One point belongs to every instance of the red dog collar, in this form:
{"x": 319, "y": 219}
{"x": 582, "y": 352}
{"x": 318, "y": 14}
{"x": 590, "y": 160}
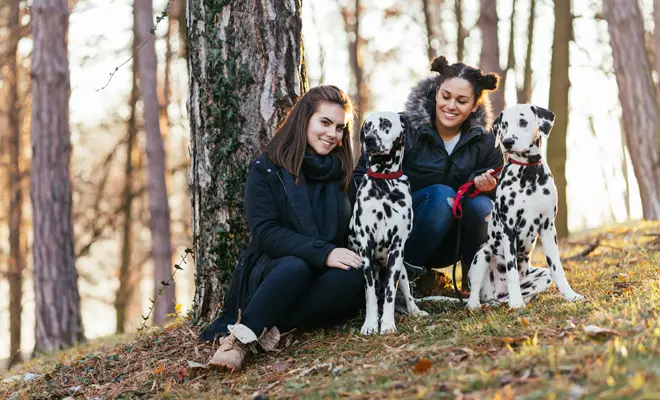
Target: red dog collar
{"x": 380, "y": 175}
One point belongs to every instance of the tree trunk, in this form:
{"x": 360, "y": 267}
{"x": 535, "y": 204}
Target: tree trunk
{"x": 656, "y": 36}
{"x": 57, "y": 302}
{"x": 559, "y": 87}
{"x": 246, "y": 68}
{"x": 490, "y": 50}
{"x": 126, "y": 280}
{"x": 360, "y": 90}
{"x": 461, "y": 32}
{"x": 525, "y": 93}
{"x": 159, "y": 208}
{"x": 638, "y": 99}
{"x": 15, "y": 214}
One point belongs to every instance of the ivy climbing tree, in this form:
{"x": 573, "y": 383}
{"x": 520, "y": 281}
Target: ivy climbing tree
{"x": 246, "y": 64}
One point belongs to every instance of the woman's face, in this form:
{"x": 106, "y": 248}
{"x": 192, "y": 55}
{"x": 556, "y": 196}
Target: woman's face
{"x": 326, "y": 128}
{"x": 454, "y": 102}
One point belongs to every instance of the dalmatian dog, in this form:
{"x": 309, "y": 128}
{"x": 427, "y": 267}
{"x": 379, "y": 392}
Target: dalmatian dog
{"x": 525, "y": 208}
{"x": 382, "y": 219}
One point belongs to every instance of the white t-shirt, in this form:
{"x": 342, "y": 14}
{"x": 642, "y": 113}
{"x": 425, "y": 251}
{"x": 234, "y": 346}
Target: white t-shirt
{"x": 449, "y": 145}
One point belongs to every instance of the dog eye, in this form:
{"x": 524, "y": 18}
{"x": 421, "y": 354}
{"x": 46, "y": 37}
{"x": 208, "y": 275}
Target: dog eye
{"x": 387, "y": 124}
{"x": 522, "y": 123}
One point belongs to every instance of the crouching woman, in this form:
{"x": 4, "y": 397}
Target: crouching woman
{"x": 296, "y": 271}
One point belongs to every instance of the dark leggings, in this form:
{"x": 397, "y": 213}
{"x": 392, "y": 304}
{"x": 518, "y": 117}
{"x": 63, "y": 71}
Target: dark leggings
{"x": 291, "y": 296}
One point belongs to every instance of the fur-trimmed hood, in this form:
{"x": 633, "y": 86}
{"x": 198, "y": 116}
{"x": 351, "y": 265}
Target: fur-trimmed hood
{"x": 420, "y": 107}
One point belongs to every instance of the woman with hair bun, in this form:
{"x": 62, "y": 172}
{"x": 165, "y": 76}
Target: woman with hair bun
{"x": 451, "y": 144}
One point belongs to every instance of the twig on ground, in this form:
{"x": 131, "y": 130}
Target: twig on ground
{"x": 590, "y": 248}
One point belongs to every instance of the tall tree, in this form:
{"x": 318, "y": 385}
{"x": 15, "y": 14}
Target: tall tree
{"x": 57, "y": 301}
{"x": 525, "y": 93}
{"x": 246, "y": 68}
{"x": 159, "y": 208}
{"x": 490, "y": 49}
{"x": 15, "y": 214}
{"x": 638, "y": 98}
{"x": 126, "y": 273}
{"x": 431, "y": 10}
{"x": 461, "y": 32}
{"x": 558, "y": 103}
{"x": 360, "y": 91}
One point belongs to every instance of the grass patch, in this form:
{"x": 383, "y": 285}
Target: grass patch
{"x": 550, "y": 350}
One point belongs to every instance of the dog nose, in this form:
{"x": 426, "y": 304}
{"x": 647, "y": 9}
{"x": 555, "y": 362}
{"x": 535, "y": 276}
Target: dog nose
{"x": 370, "y": 141}
{"x": 508, "y": 143}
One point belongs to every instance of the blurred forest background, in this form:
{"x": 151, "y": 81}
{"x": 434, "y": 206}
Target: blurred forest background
{"x": 128, "y": 133}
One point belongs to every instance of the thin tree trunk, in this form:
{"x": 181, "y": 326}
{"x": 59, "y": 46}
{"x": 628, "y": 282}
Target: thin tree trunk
{"x": 638, "y": 99}
{"x": 360, "y": 91}
{"x": 461, "y": 32}
{"x": 57, "y": 301}
{"x": 126, "y": 289}
{"x": 656, "y": 36}
{"x": 559, "y": 87}
{"x": 490, "y": 50}
{"x": 159, "y": 209}
{"x": 525, "y": 93}
{"x": 15, "y": 214}
{"x": 246, "y": 66}
{"x": 624, "y": 169}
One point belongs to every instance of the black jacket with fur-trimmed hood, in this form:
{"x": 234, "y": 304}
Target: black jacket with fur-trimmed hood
{"x": 426, "y": 161}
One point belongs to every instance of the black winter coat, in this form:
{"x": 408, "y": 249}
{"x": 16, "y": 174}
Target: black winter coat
{"x": 281, "y": 221}
{"x": 426, "y": 162}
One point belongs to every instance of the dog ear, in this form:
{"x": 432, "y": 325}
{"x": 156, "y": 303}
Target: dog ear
{"x": 545, "y": 119}
{"x": 497, "y": 129}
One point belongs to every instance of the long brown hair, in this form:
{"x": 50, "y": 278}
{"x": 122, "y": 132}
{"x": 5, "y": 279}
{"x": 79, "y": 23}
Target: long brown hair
{"x": 288, "y": 147}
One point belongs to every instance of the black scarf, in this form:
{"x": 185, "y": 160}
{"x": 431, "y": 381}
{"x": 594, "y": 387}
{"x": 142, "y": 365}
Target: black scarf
{"x": 323, "y": 176}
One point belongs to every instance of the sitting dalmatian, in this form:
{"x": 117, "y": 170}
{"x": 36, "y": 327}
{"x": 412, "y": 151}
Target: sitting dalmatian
{"x": 525, "y": 207}
{"x": 382, "y": 219}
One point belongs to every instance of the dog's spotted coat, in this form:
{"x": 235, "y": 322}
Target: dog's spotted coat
{"x": 525, "y": 208}
{"x": 382, "y": 220}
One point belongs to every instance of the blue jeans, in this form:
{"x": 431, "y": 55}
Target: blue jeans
{"x": 432, "y": 241}
{"x": 291, "y": 296}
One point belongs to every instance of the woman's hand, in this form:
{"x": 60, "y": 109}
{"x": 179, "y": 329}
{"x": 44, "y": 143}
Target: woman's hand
{"x": 485, "y": 182}
{"x": 343, "y": 258}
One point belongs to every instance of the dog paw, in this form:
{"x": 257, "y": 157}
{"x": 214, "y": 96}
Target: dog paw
{"x": 473, "y": 305}
{"x": 369, "y": 327}
{"x": 517, "y": 304}
{"x": 419, "y": 313}
{"x": 387, "y": 327}
{"x": 573, "y": 297}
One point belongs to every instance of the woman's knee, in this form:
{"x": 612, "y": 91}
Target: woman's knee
{"x": 293, "y": 266}
{"x": 433, "y": 203}
{"x": 478, "y": 208}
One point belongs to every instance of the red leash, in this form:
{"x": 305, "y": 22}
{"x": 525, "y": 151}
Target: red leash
{"x": 457, "y": 208}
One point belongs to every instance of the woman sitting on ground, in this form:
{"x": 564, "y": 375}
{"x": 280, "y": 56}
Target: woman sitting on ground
{"x": 296, "y": 270}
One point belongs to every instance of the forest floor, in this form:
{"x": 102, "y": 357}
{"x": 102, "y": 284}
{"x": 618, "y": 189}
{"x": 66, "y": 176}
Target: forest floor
{"x": 606, "y": 347}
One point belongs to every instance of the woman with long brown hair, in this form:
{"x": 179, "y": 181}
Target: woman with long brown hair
{"x": 296, "y": 270}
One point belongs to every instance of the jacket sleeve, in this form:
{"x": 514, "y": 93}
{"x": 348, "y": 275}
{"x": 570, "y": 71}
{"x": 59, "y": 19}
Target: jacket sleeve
{"x": 267, "y": 229}
{"x": 490, "y": 157}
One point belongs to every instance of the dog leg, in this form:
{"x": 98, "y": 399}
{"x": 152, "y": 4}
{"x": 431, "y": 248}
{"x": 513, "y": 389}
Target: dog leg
{"x": 536, "y": 281}
{"x": 371, "y": 320}
{"x": 512, "y": 276}
{"x": 404, "y": 285}
{"x": 549, "y": 241}
{"x": 477, "y": 275}
{"x": 387, "y": 324}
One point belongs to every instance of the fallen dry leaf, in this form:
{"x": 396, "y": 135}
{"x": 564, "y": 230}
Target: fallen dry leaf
{"x": 168, "y": 387}
{"x": 524, "y": 321}
{"x": 595, "y": 330}
{"x": 159, "y": 369}
{"x": 423, "y": 365}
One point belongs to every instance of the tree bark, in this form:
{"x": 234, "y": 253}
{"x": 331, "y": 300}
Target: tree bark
{"x": 15, "y": 214}
{"x": 638, "y": 98}
{"x": 434, "y": 31}
{"x": 360, "y": 91}
{"x": 246, "y": 66}
{"x": 558, "y": 103}
{"x": 126, "y": 279}
{"x": 461, "y": 32}
{"x": 159, "y": 208}
{"x": 525, "y": 93}
{"x": 490, "y": 50}
{"x": 57, "y": 301}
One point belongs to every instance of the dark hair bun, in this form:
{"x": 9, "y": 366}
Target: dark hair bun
{"x": 440, "y": 64}
{"x": 489, "y": 81}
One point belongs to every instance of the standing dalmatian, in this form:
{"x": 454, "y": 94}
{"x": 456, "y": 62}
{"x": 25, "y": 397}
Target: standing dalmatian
{"x": 525, "y": 208}
{"x": 382, "y": 219}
